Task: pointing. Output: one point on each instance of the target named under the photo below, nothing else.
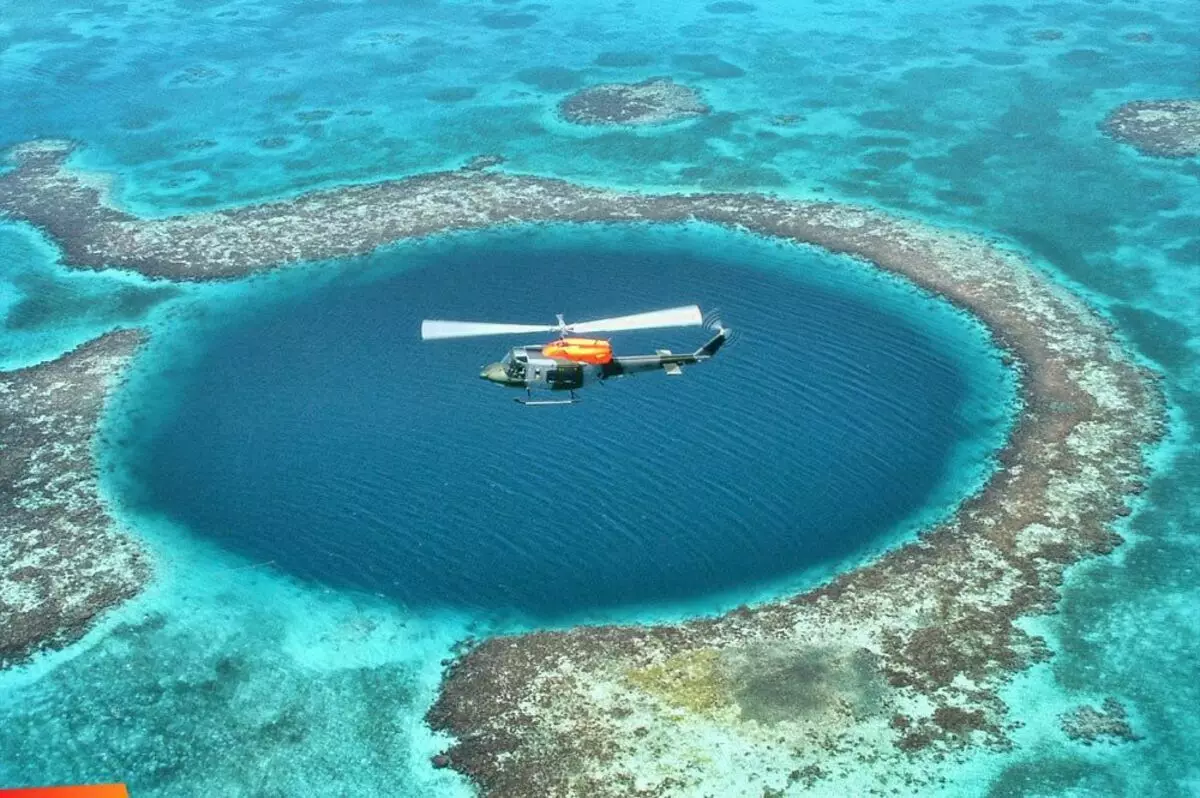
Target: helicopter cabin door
(564, 376)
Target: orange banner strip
(81, 791)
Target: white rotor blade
(432, 329)
(687, 316)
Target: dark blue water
(315, 430)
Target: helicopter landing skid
(531, 402)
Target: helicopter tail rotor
(712, 321)
(713, 345)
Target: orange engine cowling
(580, 350)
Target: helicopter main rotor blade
(687, 316)
(433, 329)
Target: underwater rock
(198, 75)
(1089, 725)
(730, 7)
(198, 144)
(624, 59)
(318, 115)
(1166, 128)
(651, 102)
(273, 143)
(452, 94)
(62, 562)
(481, 162)
(1047, 35)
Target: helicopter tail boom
(663, 359)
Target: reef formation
(1089, 725)
(62, 560)
(1166, 128)
(861, 683)
(656, 101)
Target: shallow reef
(62, 561)
(862, 684)
(655, 101)
(1166, 128)
(1109, 723)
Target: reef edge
(63, 560)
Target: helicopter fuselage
(569, 364)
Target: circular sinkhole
(298, 419)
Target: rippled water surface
(317, 431)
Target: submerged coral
(62, 563)
(1089, 725)
(650, 102)
(1167, 128)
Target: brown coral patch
(651, 102)
(1089, 725)
(1165, 128)
(62, 562)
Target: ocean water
(235, 677)
(314, 429)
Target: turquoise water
(48, 310)
(950, 110)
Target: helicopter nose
(493, 372)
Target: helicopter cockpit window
(514, 366)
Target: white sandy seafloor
(950, 110)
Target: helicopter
(573, 361)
